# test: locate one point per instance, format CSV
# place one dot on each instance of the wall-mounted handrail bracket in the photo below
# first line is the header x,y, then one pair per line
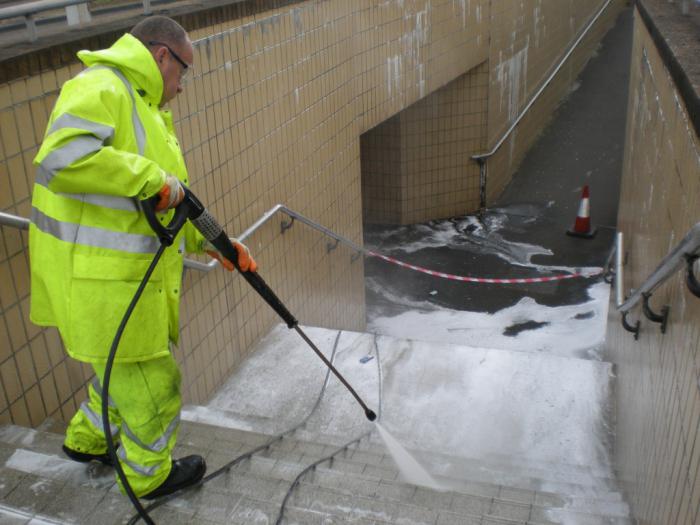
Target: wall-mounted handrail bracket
x,y
609,275
653,316
691,280
330,246
685,253
285,225
632,329
355,256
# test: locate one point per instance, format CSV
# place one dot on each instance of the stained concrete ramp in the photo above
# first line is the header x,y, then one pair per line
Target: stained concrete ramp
x,y
444,398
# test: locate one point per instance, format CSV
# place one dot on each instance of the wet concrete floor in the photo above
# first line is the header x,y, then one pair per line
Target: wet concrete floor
x,y
523,233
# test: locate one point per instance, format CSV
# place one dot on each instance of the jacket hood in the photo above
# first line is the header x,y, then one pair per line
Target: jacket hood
x,y
130,56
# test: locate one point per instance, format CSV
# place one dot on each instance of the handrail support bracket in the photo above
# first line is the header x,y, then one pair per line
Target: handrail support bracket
x,y
630,328
653,316
285,225
330,246
691,279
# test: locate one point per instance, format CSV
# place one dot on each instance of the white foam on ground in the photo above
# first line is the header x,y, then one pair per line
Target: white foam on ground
x,y
466,234
573,330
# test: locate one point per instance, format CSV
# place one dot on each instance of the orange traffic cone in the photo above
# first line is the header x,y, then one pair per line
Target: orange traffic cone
x,y
582,226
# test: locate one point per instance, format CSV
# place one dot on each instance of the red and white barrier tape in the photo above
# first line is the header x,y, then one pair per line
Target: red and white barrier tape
x,y
485,280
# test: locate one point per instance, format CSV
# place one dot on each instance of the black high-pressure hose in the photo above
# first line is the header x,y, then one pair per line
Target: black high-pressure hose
x,y
105,389
191,208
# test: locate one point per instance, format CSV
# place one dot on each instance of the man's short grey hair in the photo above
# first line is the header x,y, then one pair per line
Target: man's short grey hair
x,y
159,28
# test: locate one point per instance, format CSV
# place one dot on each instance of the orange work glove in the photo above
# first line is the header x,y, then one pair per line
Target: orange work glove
x,y
245,262
170,195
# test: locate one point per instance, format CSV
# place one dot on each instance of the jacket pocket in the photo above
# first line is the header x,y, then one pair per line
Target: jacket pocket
x,y
100,293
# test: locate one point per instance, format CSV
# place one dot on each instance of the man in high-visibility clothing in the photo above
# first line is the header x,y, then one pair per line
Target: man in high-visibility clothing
x,y
110,143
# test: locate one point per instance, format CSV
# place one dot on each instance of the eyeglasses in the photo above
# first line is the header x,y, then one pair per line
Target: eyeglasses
x,y
185,65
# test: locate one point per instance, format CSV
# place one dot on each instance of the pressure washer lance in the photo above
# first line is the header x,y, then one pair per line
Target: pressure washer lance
x,y
191,208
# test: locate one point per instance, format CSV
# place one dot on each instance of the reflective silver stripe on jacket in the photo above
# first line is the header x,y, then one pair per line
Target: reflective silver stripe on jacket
x,y
79,147
159,444
102,131
139,469
138,126
105,201
96,419
62,157
93,236
101,134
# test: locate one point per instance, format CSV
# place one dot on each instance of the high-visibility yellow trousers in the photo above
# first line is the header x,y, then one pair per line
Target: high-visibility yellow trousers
x,y
144,415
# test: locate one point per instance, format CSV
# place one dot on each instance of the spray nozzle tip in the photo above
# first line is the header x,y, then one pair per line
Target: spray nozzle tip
x,y
370,415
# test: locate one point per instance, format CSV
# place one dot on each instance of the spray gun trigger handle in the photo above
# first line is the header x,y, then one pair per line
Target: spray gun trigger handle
x,y
166,233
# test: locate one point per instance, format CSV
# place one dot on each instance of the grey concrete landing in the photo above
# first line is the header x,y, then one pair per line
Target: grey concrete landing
x,y
39,486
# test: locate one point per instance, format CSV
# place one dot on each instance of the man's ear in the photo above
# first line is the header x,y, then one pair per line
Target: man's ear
x,y
159,54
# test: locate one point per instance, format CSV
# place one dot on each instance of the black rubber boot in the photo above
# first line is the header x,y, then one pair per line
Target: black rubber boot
x,y
84,457
184,472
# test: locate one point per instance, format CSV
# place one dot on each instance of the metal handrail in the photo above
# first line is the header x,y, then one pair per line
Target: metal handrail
x,y
13,220
482,158
619,275
674,261
298,216
23,224
206,267
534,98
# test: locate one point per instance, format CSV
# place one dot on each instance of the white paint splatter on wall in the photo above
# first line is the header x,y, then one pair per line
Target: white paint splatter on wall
x,y
511,75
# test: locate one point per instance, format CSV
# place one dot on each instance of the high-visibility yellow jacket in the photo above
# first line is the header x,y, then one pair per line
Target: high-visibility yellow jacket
x,y
107,145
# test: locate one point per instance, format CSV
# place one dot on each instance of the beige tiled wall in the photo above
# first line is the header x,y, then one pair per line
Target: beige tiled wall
x,y
281,94
658,399
417,165
273,114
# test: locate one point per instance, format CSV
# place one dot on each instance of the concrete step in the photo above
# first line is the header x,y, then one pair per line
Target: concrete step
x,y
443,463
225,444
372,456
498,505
235,497
267,480
479,498
371,459
328,496
373,468
508,468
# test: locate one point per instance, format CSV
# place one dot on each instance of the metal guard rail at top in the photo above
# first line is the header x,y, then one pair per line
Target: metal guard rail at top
x,y
31,8
28,10
23,224
685,253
